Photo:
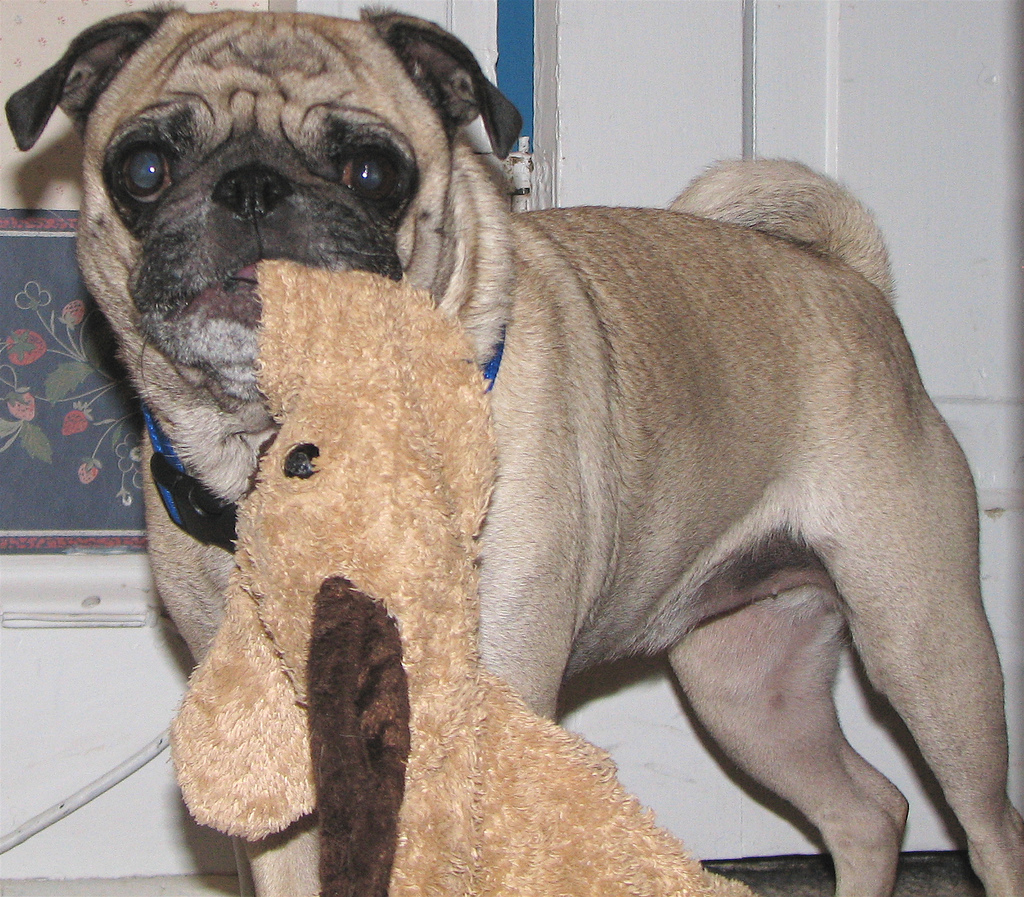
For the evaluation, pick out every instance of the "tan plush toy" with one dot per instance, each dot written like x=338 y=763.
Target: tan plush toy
x=351 y=626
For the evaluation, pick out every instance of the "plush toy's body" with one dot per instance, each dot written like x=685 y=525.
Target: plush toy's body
x=346 y=677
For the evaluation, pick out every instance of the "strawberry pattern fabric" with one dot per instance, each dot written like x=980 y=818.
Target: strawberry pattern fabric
x=69 y=427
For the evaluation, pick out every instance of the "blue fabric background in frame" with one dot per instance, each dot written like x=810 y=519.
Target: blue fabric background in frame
x=69 y=427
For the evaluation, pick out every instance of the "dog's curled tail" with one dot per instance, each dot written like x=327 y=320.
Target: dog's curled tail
x=789 y=200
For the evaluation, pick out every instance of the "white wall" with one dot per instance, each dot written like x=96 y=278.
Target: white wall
x=646 y=94
x=78 y=700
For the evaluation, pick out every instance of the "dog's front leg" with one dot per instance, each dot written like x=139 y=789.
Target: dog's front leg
x=191 y=578
x=287 y=864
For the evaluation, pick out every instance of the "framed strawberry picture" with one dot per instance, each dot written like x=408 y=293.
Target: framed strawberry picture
x=69 y=426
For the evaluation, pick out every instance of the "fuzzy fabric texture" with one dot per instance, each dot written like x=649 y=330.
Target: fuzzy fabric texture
x=372 y=495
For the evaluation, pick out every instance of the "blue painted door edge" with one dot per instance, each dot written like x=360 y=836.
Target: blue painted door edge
x=515 y=57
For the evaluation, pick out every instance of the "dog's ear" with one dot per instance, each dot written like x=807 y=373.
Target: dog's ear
x=448 y=73
x=82 y=74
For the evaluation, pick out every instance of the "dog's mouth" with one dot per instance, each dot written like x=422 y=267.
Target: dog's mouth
x=213 y=335
x=234 y=299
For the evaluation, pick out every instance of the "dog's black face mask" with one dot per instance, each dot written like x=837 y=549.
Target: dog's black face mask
x=205 y=213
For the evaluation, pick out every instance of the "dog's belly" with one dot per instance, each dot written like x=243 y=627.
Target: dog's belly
x=663 y=591
x=650 y=614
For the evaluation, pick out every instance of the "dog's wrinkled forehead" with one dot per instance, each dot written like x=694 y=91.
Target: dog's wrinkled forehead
x=274 y=74
x=269 y=47
x=267 y=73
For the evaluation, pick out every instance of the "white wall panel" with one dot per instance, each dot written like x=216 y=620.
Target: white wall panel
x=925 y=134
x=75 y=702
x=648 y=94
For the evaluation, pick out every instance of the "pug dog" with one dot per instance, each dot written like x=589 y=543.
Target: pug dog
x=713 y=440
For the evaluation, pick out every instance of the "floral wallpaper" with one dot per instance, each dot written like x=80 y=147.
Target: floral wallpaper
x=69 y=428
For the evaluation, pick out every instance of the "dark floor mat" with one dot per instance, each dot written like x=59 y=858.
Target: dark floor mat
x=926 y=874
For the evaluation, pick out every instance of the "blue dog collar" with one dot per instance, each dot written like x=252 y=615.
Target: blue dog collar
x=190 y=504
x=492 y=366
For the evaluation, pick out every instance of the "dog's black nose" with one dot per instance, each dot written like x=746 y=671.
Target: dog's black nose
x=251 y=192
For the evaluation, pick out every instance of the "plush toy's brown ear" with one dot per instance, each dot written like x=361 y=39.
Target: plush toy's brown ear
x=359 y=737
x=447 y=72
x=82 y=74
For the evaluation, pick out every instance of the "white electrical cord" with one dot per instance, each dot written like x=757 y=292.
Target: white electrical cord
x=80 y=798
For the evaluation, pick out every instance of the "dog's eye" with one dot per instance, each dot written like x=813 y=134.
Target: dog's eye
x=371 y=176
x=145 y=173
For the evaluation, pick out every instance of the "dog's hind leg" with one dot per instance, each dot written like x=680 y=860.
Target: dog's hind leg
x=908 y=574
x=760 y=680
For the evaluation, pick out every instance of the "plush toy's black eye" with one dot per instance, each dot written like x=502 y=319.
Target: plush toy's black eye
x=299 y=461
x=145 y=173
